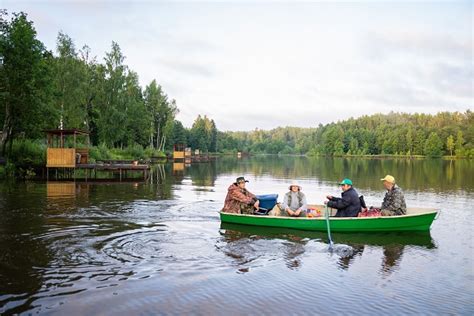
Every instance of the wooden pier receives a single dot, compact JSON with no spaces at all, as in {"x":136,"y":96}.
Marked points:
{"x":66,"y":161}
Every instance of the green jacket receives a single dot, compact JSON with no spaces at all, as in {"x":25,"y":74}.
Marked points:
{"x":394,"y":201}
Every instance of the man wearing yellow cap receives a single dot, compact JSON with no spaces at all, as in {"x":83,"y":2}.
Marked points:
{"x":394,"y":202}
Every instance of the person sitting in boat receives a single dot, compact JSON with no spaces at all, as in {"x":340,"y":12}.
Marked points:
{"x":294,"y":202}
{"x":348,"y":205}
{"x":240,"y":200}
{"x":394,"y":202}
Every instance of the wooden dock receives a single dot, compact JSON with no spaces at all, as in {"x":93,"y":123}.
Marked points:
{"x":91,"y":169}
{"x":65,"y":161}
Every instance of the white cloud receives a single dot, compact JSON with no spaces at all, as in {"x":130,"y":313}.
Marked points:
{"x":277,"y":64}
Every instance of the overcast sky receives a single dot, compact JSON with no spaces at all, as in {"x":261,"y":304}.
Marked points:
{"x":263,"y":64}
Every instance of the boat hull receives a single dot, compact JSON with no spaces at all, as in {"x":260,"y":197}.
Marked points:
{"x":414,"y":222}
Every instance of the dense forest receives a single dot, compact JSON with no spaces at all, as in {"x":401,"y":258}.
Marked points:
{"x":69,"y":88}
{"x":380,"y":134}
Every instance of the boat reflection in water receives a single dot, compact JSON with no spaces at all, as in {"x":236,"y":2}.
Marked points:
{"x":248,"y":244}
{"x":243,"y":243}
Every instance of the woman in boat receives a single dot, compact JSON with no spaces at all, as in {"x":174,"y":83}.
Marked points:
{"x":348,"y":205}
{"x":294,"y":202}
{"x":240,"y":200}
{"x":394,"y":202}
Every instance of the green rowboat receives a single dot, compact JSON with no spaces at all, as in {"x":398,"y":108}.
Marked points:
{"x":416,"y":219}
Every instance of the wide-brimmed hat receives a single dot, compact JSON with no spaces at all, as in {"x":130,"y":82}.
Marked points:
{"x":295,"y":185}
{"x":389,"y":178}
{"x":240,"y":179}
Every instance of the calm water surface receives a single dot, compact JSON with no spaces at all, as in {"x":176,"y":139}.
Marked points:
{"x":158,"y":247}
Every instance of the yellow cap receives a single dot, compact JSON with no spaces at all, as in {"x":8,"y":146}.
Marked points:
{"x":389,"y":178}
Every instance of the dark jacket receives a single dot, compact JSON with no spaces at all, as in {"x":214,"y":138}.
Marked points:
{"x":348,"y":205}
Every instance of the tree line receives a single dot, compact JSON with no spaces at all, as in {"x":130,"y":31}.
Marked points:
{"x":402,"y":134}
{"x":70,"y":88}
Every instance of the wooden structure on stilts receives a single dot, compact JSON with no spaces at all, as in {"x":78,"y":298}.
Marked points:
{"x":65,"y":156}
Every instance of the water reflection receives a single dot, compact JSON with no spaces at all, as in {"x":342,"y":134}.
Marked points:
{"x":413,"y":174}
{"x":392,"y":255}
{"x":349,"y":246}
{"x":20,"y":252}
{"x":203,"y":174}
{"x":245,"y":247}
{"x":347,"y":255}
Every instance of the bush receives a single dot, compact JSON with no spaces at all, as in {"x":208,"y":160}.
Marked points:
{"x":9,"y":169}
{"x":28,"y":153}
{"x":152,"y":152}
{"x":134,"y":152}
{"x":99,"y":153}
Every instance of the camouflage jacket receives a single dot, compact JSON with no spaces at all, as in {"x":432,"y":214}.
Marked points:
{"x":394,"y":201}
{"x":236,"y":197}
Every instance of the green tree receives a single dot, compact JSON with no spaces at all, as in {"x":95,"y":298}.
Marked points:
{"x":69,"y":82}
{"x":459,"y":144}
{"x":93,"y":78}
{"x":111,"y":121}
{"x":354,"y":145}
{"x":211,"y":130}
{"x":198,"y":136}
{"x":450,"y":144}
{"x":25,"y":80}
{"x":433,"y":146}
{"x":409,"y":140}
{"x":419,"y":142}
{"x":162,"y":111}
{"x":179,"y":134}
{"x":138,"y":124}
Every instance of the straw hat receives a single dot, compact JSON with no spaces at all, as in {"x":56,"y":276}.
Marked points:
{"x":293,"y":184}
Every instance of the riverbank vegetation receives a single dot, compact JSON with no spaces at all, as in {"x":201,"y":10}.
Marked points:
{"x":69,"y":88}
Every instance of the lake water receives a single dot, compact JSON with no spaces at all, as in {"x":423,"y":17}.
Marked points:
{"x":158,"y":247}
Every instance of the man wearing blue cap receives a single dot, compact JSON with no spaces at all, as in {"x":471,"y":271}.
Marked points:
{"x":348,"y":205}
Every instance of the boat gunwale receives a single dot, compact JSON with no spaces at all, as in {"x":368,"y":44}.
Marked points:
{"x":432,"y":211}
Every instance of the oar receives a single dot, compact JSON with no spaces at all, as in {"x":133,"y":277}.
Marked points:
{"x":329,"y":228}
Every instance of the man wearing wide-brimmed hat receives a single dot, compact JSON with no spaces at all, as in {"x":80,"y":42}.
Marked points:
{"x":394,"y":202}
{"x":294,"y":202}
{"x":240,"y":200}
